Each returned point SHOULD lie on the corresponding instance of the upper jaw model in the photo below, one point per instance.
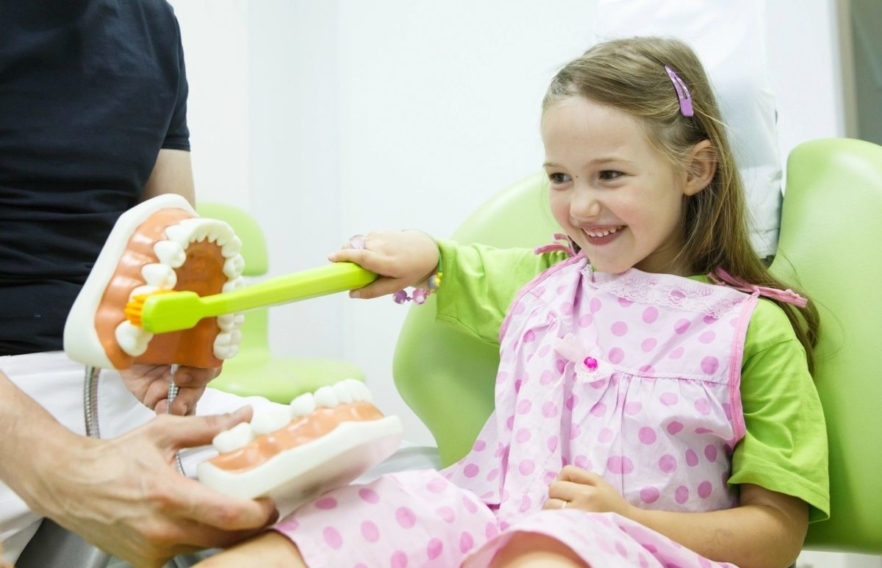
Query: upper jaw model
(159, 245)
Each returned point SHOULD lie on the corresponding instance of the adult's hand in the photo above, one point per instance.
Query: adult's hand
(150, 383)
(125, 496)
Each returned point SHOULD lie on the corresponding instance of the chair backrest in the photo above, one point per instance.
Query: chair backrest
(255, 341)
(832, 216)
(445, 376)
(831, 222)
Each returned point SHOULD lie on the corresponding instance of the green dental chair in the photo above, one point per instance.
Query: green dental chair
(831, 226)
(255, 371)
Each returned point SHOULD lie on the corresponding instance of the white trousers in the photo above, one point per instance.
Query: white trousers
(56, 383)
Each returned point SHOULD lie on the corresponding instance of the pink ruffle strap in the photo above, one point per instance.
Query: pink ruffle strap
(563, 244)
(788, 296)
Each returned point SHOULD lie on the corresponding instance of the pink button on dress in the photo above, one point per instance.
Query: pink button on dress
(633, 376)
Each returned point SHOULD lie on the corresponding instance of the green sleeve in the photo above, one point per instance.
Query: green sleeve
(480, 282)
(785, 445)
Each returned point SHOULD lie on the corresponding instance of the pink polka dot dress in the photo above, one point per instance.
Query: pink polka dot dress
(632, 376)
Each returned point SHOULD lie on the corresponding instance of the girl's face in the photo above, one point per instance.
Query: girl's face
(614, 194)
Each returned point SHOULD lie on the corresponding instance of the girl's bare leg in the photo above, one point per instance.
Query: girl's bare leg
(267, 550)
(531, 550)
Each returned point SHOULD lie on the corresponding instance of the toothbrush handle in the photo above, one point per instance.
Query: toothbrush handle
(183, 310)
(321, 281)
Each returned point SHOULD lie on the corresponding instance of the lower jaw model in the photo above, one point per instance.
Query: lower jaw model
(288, 453)
(293, 453)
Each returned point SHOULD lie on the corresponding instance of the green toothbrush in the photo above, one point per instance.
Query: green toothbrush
(173, 311)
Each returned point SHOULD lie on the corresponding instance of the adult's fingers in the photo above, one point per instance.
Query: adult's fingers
(184, 403)
(178, 432)
(214, 510)
(195, 376)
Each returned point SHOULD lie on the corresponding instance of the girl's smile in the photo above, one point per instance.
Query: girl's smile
(612, 191)
(598, 236)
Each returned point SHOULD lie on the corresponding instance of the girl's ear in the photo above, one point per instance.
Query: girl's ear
(701, 165)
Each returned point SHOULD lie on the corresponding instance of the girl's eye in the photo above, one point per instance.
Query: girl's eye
(610, 174)
(558, 178)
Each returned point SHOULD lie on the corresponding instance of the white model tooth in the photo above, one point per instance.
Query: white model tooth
(131, 339)
(226, 344)
(302, 405)
(360, 390)
(233, 266)
(355, 390)
(270, 419)
(232, 247)
(221, 233)
(234, 284)
(230, 322)
(170, 253)
(326, 396)
(142, 291)
(208, 229)
(197, 226)
(180, 234)
(159, 275)
(236, 437)
(343, 392)
(368, 397)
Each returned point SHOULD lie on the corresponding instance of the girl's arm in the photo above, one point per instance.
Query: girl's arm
(766, 531)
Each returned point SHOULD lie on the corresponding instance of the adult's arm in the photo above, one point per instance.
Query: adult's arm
(122, 495)
(172, 173)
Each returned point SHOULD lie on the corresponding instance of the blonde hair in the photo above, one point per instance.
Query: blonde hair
(629, 75)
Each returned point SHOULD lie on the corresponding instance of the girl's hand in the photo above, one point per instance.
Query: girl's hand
(401, 258)
(578, 488)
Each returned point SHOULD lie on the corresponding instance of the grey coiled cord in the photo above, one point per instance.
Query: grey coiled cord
(90, 405)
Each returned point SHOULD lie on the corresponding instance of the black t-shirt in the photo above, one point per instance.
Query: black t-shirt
(90, 91)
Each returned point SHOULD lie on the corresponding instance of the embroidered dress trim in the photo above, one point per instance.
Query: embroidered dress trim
(679, 293)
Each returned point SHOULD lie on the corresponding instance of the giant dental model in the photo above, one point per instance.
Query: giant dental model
(292, 453)
(287, 453)
(161, 245)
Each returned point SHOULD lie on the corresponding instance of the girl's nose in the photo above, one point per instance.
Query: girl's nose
(584, 206)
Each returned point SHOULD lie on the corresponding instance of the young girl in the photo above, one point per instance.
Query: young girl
(654, 403)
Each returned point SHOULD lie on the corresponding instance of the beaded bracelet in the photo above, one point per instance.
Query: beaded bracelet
(420, 295)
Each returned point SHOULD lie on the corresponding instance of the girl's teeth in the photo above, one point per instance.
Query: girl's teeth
(603, 233)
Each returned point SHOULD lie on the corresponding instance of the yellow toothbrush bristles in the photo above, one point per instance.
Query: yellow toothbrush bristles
(134, 306)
